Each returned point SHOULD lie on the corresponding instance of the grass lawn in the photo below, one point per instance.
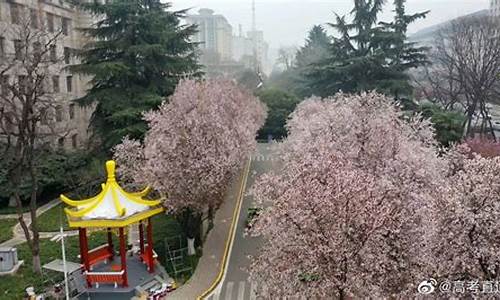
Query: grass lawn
(6, 229)
(12, 287)
(167, 227)
(51, 219)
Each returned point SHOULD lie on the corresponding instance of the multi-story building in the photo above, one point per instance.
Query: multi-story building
(251, 50)
(495, 7)
(54, 16)
(214, 36)
(260, 48)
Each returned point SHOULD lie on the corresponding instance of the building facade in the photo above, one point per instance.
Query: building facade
(495, 7)
(260, 49)
(214, 36)
(62, 19)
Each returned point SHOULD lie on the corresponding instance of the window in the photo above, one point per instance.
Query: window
(59, 113)
(33, 18)
(44, 118)
(53, 53)
(9, 122)
(37, 49)
(55, 84)
(23, 84)
(50, 22)
(65, 24)
(67, 55)
(71, 111)
(69, 84)
(60, 142)
(4, 85)
(18, 49)
(2, 46)
(15, 13)
(74, 141)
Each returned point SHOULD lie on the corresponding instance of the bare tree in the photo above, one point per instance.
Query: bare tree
(26, 109)
(437, 85)
(286, 57)
(466, 69)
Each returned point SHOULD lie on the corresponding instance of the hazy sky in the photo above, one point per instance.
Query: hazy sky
(286, 22)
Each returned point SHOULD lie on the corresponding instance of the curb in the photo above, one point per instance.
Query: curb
(231, 235)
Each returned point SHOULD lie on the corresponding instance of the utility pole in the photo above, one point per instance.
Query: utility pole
(254, 25)
(65, 268)
(254, 40)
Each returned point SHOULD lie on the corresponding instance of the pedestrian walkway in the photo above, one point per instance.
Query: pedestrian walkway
(39, 211)
(19, 236)
(214, 248)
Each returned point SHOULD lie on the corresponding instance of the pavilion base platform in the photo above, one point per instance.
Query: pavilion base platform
(138, 276)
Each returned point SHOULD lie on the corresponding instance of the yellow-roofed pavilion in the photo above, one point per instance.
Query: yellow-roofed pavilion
(112, 208)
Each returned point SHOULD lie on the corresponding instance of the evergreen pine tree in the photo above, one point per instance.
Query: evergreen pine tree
(401, 55)
(137, 53)
(315, 49)
(366, 55)
(295, 79)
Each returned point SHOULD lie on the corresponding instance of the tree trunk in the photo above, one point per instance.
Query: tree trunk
(37, 266)
(191, 248)
(191, 225)
(35, 247)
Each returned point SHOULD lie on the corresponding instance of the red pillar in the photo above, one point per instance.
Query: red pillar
(84, 251)
(141, 237)
(123, 257)
(150, 246)
(110, 243)
(80, 242)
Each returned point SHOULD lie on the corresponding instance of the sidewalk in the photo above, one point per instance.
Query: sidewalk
(19, 237)
(209, 266)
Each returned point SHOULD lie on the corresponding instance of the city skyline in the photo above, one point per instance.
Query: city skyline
(296, 18)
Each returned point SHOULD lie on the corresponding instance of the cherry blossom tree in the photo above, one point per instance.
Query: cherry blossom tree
(467, 242)
(130, 157)
(195, 143)
(484, 147)
(351, 213)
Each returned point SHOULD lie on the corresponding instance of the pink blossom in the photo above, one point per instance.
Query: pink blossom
(349, 214)
(196, 142)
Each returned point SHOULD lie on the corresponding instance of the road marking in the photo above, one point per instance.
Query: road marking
(229, 290)
(253, 291)
(241, 290)
(232, 233)
(216, 296)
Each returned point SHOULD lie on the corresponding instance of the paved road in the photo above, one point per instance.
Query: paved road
(236, 284)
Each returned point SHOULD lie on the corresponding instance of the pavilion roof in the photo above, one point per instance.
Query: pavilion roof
(112, 207)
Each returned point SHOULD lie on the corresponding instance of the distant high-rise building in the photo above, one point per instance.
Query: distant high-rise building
(242, 46)
(251, 50)
(214, 35)
(260, 49)
(495, 7)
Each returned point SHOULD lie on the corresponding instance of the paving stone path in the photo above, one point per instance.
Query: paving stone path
(19, 237)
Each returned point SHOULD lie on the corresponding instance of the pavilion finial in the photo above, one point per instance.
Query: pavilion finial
(112, 207)
(110, 168)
